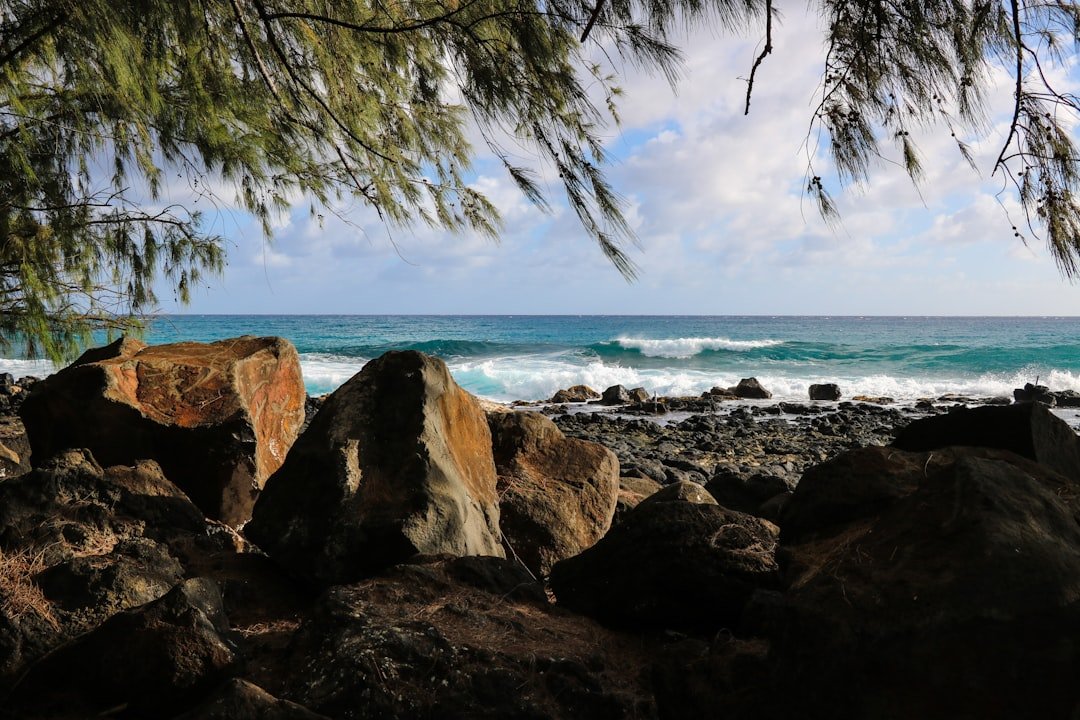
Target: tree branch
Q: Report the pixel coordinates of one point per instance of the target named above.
(1018, 36)
(764, 53)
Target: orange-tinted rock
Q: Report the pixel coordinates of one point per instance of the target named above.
(219, 417)
(557, 494)
(397, 462)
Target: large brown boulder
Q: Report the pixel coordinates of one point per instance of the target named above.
(941, 584)
(397, 462)
(557, 495)
(218, 418)
(672, 565)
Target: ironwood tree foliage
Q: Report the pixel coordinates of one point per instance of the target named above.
(105, 103)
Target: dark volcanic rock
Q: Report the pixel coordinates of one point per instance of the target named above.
(948, 588)
(151, 661)
(674, 565)
(79, 544)
(1027, 429)
(241, 700)
(397, 462)
(557, 495)
(751, 389)
(615, 395)
(418, 643)
(575, 394)
(217, 417)
(1035, 393)
(826, 391)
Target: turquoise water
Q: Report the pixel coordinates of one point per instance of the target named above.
(530, 357)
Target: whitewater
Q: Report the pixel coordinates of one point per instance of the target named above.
(507, 358)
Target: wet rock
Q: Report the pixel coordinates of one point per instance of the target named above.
(397, 462)
(1067, 398)
(677, 565)
(217, 417)
(826, 391)
(575, 394)
(1035, 393)
(557, 495)
(751, 389)
(639, 395)
(615, 395)
(874, 399)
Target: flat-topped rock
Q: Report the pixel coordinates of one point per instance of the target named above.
(217, 417)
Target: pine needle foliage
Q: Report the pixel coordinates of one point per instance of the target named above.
(894, 66)
(103, 103)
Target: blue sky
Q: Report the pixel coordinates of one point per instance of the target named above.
(716, 201)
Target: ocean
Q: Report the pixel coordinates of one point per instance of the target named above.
(529, 357)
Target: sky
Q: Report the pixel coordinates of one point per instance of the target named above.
(716, 201)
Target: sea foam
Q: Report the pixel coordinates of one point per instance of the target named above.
(690, 346)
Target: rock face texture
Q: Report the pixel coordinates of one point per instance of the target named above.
(218, 417)
(79, 543)
(932, 584)
(556, 495)
(397, 462)
(678, 565)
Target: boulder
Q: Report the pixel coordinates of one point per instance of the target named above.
(632, 490)
(1027, 429)
(426, 641)
(825, 391)
(218, 418)
(639, 395)
(240, 700)
(397, 462)
(1035, 393)
(615, 395)
(721, 393)
(557, 495)
(1067, 399)
(938, 584)
(79, 543)
(750, 389)
(575, 394)
(671, 565)
(682, 491)
(153, 661)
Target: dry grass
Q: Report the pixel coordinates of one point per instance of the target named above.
(19, 594)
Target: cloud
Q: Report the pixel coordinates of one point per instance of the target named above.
(716, 199)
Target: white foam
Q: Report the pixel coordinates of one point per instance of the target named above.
(689, 347)
(325, 372)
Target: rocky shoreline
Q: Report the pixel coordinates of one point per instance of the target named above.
(177, 540)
